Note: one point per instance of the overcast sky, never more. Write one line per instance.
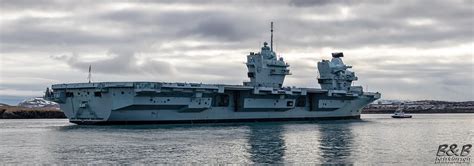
(404, 49)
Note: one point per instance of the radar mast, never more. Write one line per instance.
(271, 37)
(89, 77)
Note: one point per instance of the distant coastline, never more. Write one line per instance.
(417, 111)
(419, 107)
(16, 112)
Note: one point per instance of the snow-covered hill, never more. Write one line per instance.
(38, 102)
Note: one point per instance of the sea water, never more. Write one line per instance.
(375, 139)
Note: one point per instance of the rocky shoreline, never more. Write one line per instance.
(15, 112)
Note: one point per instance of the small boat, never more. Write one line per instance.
(400, 114)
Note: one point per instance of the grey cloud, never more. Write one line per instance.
(432, 79)
(223, 28)
(44, 32)
(216, 29)
(122, 62)
(383, 66)
(311, 3)
(376, 24)
(228, 73)
(158, 18)
(26, 4)
(30, 86)
(139, 28)
(48, 5)
(362, 33)
(215, 24)
(440, 9)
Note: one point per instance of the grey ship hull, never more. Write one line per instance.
(154, 102)
(263, 98)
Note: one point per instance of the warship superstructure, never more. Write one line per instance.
(263, 98)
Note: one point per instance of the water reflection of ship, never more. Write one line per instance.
(336, 141)
(266, 143)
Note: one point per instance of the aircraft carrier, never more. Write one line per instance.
(262, 98)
